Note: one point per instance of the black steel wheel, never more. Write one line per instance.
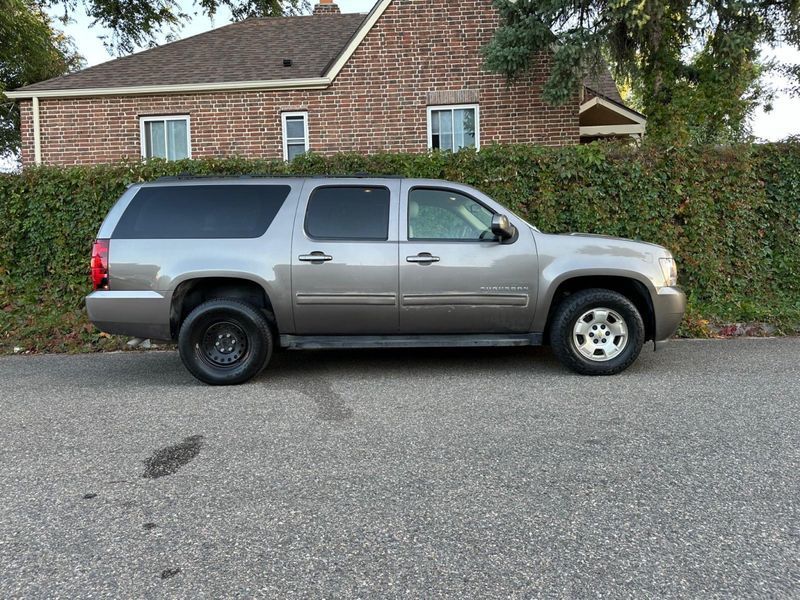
(225, 342)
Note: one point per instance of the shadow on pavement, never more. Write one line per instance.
(164, 368)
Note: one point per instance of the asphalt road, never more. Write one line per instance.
(479, 473)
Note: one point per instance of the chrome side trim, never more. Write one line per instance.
(465, 300)
(348, 299)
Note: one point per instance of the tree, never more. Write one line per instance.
(139, 23)
(30, 50)
(693, 66)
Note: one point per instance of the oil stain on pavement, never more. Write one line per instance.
(167, 573)
(168, 460)
(331, 406)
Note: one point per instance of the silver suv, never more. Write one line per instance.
(230, 268)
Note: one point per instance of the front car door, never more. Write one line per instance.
(344, 258)
(455, 277)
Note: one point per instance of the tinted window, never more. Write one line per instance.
(447, 215)
(201, 211)
(348, 213)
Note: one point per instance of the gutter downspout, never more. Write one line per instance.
(37, 133)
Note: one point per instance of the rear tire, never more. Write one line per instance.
(597, 332)
(225, 342)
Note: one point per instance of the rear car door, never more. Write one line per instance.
(344, 258)
(455, 277)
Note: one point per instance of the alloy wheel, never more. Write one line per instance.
(600, 334)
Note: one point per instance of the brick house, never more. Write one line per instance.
(407, 76)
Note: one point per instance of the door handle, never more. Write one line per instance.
(315, 257)
(423, 258)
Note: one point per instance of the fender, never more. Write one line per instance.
(279, 297)
(565, 257)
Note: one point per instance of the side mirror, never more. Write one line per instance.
(503, 228)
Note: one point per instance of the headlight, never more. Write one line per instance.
(670, 270)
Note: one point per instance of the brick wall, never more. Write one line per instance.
(419, 49)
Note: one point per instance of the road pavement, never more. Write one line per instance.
(436, 473)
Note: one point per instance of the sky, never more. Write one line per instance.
(782, 121)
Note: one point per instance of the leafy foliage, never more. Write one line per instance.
(30, 50)
(693, 67)
(136, 24)
(730, 215)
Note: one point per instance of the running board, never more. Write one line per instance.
(319, 342)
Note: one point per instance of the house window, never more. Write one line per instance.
(166, 137)
(295, 134)
(454, 127)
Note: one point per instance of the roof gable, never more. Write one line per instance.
(250, 50)
(250, 54)
(602, 82)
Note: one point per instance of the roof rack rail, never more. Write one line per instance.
(190, 177)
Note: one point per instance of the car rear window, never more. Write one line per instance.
(201, 211)
(348, 213)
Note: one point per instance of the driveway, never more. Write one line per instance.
(463, 473)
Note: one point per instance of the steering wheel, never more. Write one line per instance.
(485, 234)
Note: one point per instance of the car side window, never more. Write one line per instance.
(201, 212)
(348, 213)
(439, 214)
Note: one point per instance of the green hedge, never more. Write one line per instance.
(731, 215)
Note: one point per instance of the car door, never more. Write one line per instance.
(455, 276)
(344, 258)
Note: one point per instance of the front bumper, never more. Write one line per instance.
(669, 305)
(138, 314)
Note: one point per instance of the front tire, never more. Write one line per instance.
(225, 342)
(597, 332)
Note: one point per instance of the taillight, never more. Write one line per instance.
(100, 265)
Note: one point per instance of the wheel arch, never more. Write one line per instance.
(633, 288)
(193, 291)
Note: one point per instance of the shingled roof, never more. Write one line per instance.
(602, 82)
(250, 50)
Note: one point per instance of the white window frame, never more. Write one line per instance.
(165, 118)
(454, 107)
(284, 117)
